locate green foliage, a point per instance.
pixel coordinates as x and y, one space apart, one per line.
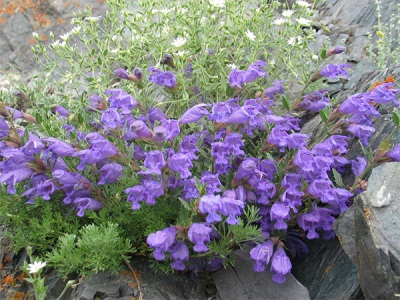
93 249
39 225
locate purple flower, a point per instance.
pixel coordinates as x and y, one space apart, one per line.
332 71
166 79
194 114
246 169
180 163
188 70
220 112
361 131
110 118
58 147
33 145
211 181
336 50
11 177
394 153
322 189
190 190
292 198
291 180
121 99
305 160
189 146
179 252
172 128
211 204
262 253
384 93
110 173
358 165
153 163
87 204
61 111
231 207
121 73
275 88
280 212
138 73
255 71
319 218
236 78
44 189
162 241
358 104
156 114
281 265
315 101
199 234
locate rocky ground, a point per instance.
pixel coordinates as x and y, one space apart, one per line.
365 264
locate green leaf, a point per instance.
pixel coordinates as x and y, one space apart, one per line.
229 91
323 54
323 115
338 178
38 118
396 117
80 119
185 204
286 103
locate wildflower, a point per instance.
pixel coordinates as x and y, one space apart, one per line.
110 173
62 112
87 203
181 163
161 241
36 267
236 78
35 35
336 50
231 66
315 101
303 3
303 21
250 35
255 71
92 19
280 264
217 3
231 207
179 42
287 13
194 114
363 132
121 73
294 40
332 71
179 252
58 147
279 21
166 79
199 234
211 204
394 153
262 254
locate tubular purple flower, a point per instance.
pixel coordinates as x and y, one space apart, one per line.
189 146
58 147
87 204
162 241
211 181
332 71
180 163
121 73
255 71
280 212
275 88
281 265
384 93
14 176
236 78
394 153
33 145
140 129
61 111
166 79
358 104
246 169
153 162
110 173
362 132
315 101
110 118
194 114
172 127
262 254
179 252
220 112
336 50
211 204
358 165
199 234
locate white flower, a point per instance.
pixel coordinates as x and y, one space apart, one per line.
76 29
287 13
303 3
314 57
294 40
92 19
165 11
181 53
250 35
65 36
232 66
36 267
303 21
114 51
58 44
35 36
178 42
218 3
279 21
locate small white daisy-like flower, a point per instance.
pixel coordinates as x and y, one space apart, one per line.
218 3
181 53
65 37
250 35
303 21
279 21
287 13
36 267
303 3
314 57
92 19
232 66
76 30
179 42
294 40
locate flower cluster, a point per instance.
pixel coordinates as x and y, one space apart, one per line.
221 160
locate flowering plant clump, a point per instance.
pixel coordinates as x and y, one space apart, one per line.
220 161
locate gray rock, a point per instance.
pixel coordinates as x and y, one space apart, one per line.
241 282
369 233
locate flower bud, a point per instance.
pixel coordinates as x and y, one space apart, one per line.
168 60
336 50
138 73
